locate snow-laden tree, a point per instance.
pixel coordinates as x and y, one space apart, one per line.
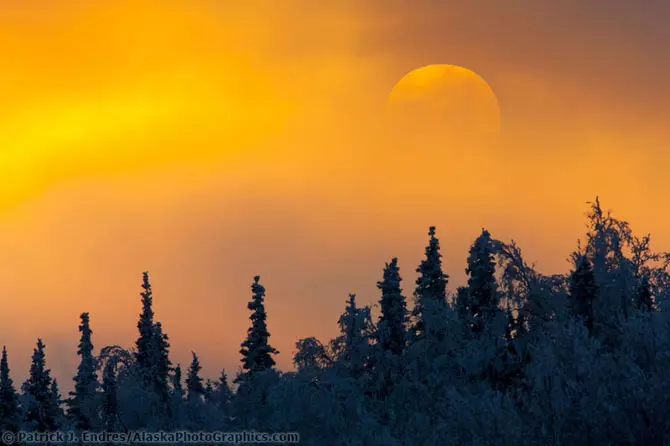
10 410
256 349
152 361
83 402
194 386
483 295
430 294
351 348
40 403
392 323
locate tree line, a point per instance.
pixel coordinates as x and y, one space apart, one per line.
513 357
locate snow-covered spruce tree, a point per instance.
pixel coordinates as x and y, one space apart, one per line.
352 347
257 375
82 405
392 323
430 295
145 325
194 384
195 398
256 350
152 363
391 335
161 364
583 291
483 292
10 410
223 395
41 407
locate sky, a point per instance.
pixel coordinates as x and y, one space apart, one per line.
208 142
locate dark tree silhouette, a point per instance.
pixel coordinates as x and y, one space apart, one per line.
256 350
83 402
10 412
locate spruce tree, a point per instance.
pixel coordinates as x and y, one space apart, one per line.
482 285
82 404
160 362
352 346
194 384
256 350
392 323
583 291
42 411
152 356
10 411
430 295
222 392
146 328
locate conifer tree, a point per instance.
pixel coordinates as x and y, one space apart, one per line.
10 411
392 323
222 392
482 286
256 350
42 411
146 329
194 384
82 403
152 356
160 363
583 291
351 347
430 294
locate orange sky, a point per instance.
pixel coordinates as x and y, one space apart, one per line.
208 143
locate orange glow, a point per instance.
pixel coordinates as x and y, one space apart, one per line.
209 141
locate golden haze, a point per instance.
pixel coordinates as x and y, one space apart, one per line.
208 143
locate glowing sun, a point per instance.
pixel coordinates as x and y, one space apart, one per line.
443 101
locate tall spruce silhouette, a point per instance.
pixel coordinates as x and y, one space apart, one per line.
352 346
392 323
152 358
42 409
256 349
482 286
194 385
10 411
430 294
145 342
83 402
